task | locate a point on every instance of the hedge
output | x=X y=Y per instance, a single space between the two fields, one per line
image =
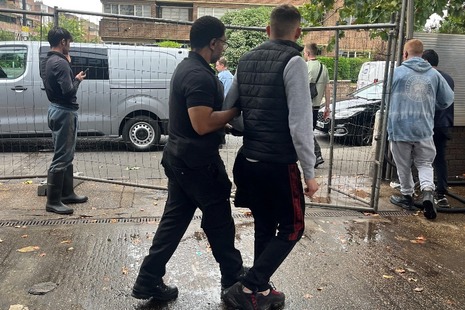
x=348 y=68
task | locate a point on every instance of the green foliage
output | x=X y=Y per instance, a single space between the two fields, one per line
x=11 y=61
x=73 y=25
x=453 y=25
x=6 y=35
x=241 y=41
x=315 y=12
x=348 y=68
x=169 y=44
x=454 y=22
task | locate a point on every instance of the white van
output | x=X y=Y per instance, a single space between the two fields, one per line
x=125 y=93
x=371 y=72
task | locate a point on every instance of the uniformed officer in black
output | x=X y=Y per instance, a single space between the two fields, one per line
x=196 y=174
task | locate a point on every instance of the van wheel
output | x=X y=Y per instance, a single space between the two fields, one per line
x=141 y=133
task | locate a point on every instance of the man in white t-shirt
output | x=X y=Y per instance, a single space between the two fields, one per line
x=322 y=86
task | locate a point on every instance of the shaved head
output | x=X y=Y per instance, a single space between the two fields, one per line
x=284 y=21
x=413 y=48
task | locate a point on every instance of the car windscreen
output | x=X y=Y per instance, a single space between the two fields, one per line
x=371 y=92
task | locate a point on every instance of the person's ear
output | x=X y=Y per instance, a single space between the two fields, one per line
x=212 y=44
x=298 y=32
x=268 y=30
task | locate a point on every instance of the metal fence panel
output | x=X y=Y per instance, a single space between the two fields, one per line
x=349 y=177
x=452 y=61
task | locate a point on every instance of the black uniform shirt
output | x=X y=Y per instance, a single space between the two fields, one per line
x=193 y=84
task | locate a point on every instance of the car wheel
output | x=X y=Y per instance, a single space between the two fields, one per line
x=365 y=136
x=141 y=133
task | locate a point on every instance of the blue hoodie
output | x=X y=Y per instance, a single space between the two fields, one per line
x=417 y=91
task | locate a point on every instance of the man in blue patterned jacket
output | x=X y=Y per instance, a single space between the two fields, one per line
x=417 y=91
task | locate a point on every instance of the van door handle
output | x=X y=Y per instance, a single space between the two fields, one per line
x=19 y=88
x=42 y=88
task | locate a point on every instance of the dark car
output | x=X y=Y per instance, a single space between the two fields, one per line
x=355 y=117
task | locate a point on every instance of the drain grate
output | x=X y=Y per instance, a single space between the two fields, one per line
x=52 y=222
x=13 y=223
x=331 y=213
x=395 y=213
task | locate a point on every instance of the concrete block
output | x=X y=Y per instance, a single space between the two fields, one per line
x=42 y=190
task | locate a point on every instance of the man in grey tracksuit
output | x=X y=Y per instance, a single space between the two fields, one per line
x=417 y=91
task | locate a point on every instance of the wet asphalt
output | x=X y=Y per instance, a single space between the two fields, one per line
x=346 y=259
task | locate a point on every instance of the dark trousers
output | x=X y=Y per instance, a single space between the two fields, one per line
x=63 y=122
x=275 y=197
x=207 y=188
x=440 y=137
x=315 y=118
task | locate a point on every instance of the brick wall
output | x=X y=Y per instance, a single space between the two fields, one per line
x=344 y=87
x=143 y=32
x=455 y=153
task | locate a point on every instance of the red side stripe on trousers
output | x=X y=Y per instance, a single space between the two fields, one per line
x=295 y=185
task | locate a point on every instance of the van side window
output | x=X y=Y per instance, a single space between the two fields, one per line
x=13 y=61
x=96 y=59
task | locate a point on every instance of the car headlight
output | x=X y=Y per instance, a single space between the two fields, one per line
x=348 y=113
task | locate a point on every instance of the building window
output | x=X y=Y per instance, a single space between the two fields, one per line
x=143 y=10
x=125 y=9
x=7 y=19
x=216 y=12
x=174 y=11
x=355 y=54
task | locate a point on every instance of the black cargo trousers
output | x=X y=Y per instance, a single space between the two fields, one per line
x=207 y=188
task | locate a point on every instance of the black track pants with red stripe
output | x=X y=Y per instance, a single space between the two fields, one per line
x=274 y=194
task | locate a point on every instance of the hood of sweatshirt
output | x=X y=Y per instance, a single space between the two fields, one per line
x=417 y=64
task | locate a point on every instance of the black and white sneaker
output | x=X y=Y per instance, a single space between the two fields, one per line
x=442 y=202
x=319 y=161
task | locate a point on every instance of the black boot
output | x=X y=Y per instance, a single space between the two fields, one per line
x=160 y=291
x=54 y=188
x=403 y=201
x=430 y=211
x=68 y=195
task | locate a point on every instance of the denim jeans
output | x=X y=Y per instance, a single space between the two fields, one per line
x=64 y=124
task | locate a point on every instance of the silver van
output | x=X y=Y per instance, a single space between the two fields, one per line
x=125 y=93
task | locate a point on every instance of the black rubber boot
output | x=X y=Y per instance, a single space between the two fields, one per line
x=68 y=195
x=54 y=189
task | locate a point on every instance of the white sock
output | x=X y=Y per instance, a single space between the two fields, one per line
x=246 y=290
x=265 y=293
